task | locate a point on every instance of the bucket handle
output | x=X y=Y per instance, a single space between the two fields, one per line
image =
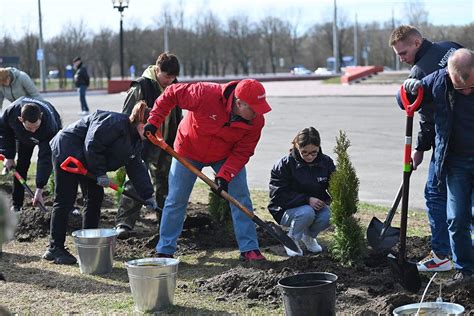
x=424 y=293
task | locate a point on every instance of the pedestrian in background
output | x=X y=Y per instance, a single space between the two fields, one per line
x=14 y=84
x=81 y=80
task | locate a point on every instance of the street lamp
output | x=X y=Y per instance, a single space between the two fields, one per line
x=120 y=5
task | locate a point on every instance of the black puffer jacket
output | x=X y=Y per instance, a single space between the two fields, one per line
x=429 y=58
x=12 y=130
x=293 y=181
x=81 y=76
x=104 y=141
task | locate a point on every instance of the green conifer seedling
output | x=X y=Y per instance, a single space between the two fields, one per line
x=347 y=245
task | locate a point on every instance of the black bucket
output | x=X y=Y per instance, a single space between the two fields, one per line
x=312 y=293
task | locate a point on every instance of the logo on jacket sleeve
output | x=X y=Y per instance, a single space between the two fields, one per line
x=213 y=116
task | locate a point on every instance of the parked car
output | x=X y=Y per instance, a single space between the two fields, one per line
x=300 y=70
x=53 y=74
x=322 y=71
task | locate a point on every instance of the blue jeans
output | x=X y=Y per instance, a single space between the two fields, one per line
x=436 y=207
x=82 y=97
x=305 y=220
x=180 y=184
x=460 y=184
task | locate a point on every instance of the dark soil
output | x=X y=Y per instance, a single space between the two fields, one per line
x=368 y=288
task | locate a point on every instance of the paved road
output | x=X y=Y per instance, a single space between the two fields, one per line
x=367 y=113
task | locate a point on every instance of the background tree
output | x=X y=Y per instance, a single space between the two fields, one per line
x=104 y=53
x=207 y=45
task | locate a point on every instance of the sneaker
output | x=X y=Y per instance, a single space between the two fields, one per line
x=432 y=263
x=252 y=255
x=123 y=232
x=59 y=255
x=311 y=244
x=164 y=255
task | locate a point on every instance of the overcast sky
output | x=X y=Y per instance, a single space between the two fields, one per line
x=17 y=16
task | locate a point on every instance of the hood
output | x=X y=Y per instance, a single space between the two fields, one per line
x=14 y=73
x=228 y=91
x=150 y=73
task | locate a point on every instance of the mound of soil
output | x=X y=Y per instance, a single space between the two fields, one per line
x=34 y=223
x=367 y=288
x=200 y=232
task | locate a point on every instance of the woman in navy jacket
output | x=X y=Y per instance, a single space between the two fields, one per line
x=103 y=141
x=298 y=190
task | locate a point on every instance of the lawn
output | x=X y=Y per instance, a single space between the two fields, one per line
x=37 y=287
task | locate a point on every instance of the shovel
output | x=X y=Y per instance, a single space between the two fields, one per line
x=381 y=236
x=405 y=271
x=73 y=165
x=273 y=230
x=25 y=186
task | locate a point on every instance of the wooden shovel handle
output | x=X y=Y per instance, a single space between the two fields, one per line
x=157 y=140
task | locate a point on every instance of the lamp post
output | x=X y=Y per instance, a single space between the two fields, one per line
x=40 y=53
x=120 y=5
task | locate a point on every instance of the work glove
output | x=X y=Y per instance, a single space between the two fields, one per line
x=151 y=204
x=103 y=181
x=149 y=128
x=9 y=164
x=222 y=185
x=38 y=198
x=412 y=85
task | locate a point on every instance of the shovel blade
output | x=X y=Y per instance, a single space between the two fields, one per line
x=406 y=273
x=379 y=239
x=276 y=232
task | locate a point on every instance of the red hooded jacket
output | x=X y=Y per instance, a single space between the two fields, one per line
x=207 y=134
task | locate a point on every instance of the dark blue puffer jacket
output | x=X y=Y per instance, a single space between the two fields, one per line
x=440 y=94
x=104 y=141
x=12 y=130
x=293 y=181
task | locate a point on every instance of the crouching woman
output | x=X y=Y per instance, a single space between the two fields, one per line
x=298 y=191
x=102 y=141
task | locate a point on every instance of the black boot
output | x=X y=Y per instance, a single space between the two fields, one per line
x=59 y=255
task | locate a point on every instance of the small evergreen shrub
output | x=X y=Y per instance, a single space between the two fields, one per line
x=348 y=243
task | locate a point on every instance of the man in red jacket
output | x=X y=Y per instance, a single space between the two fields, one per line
x=220 y=130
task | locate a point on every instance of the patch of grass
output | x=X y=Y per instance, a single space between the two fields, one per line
x=333 y=80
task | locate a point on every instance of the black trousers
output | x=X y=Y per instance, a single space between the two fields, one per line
x=22 y=165
x=65 y=193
